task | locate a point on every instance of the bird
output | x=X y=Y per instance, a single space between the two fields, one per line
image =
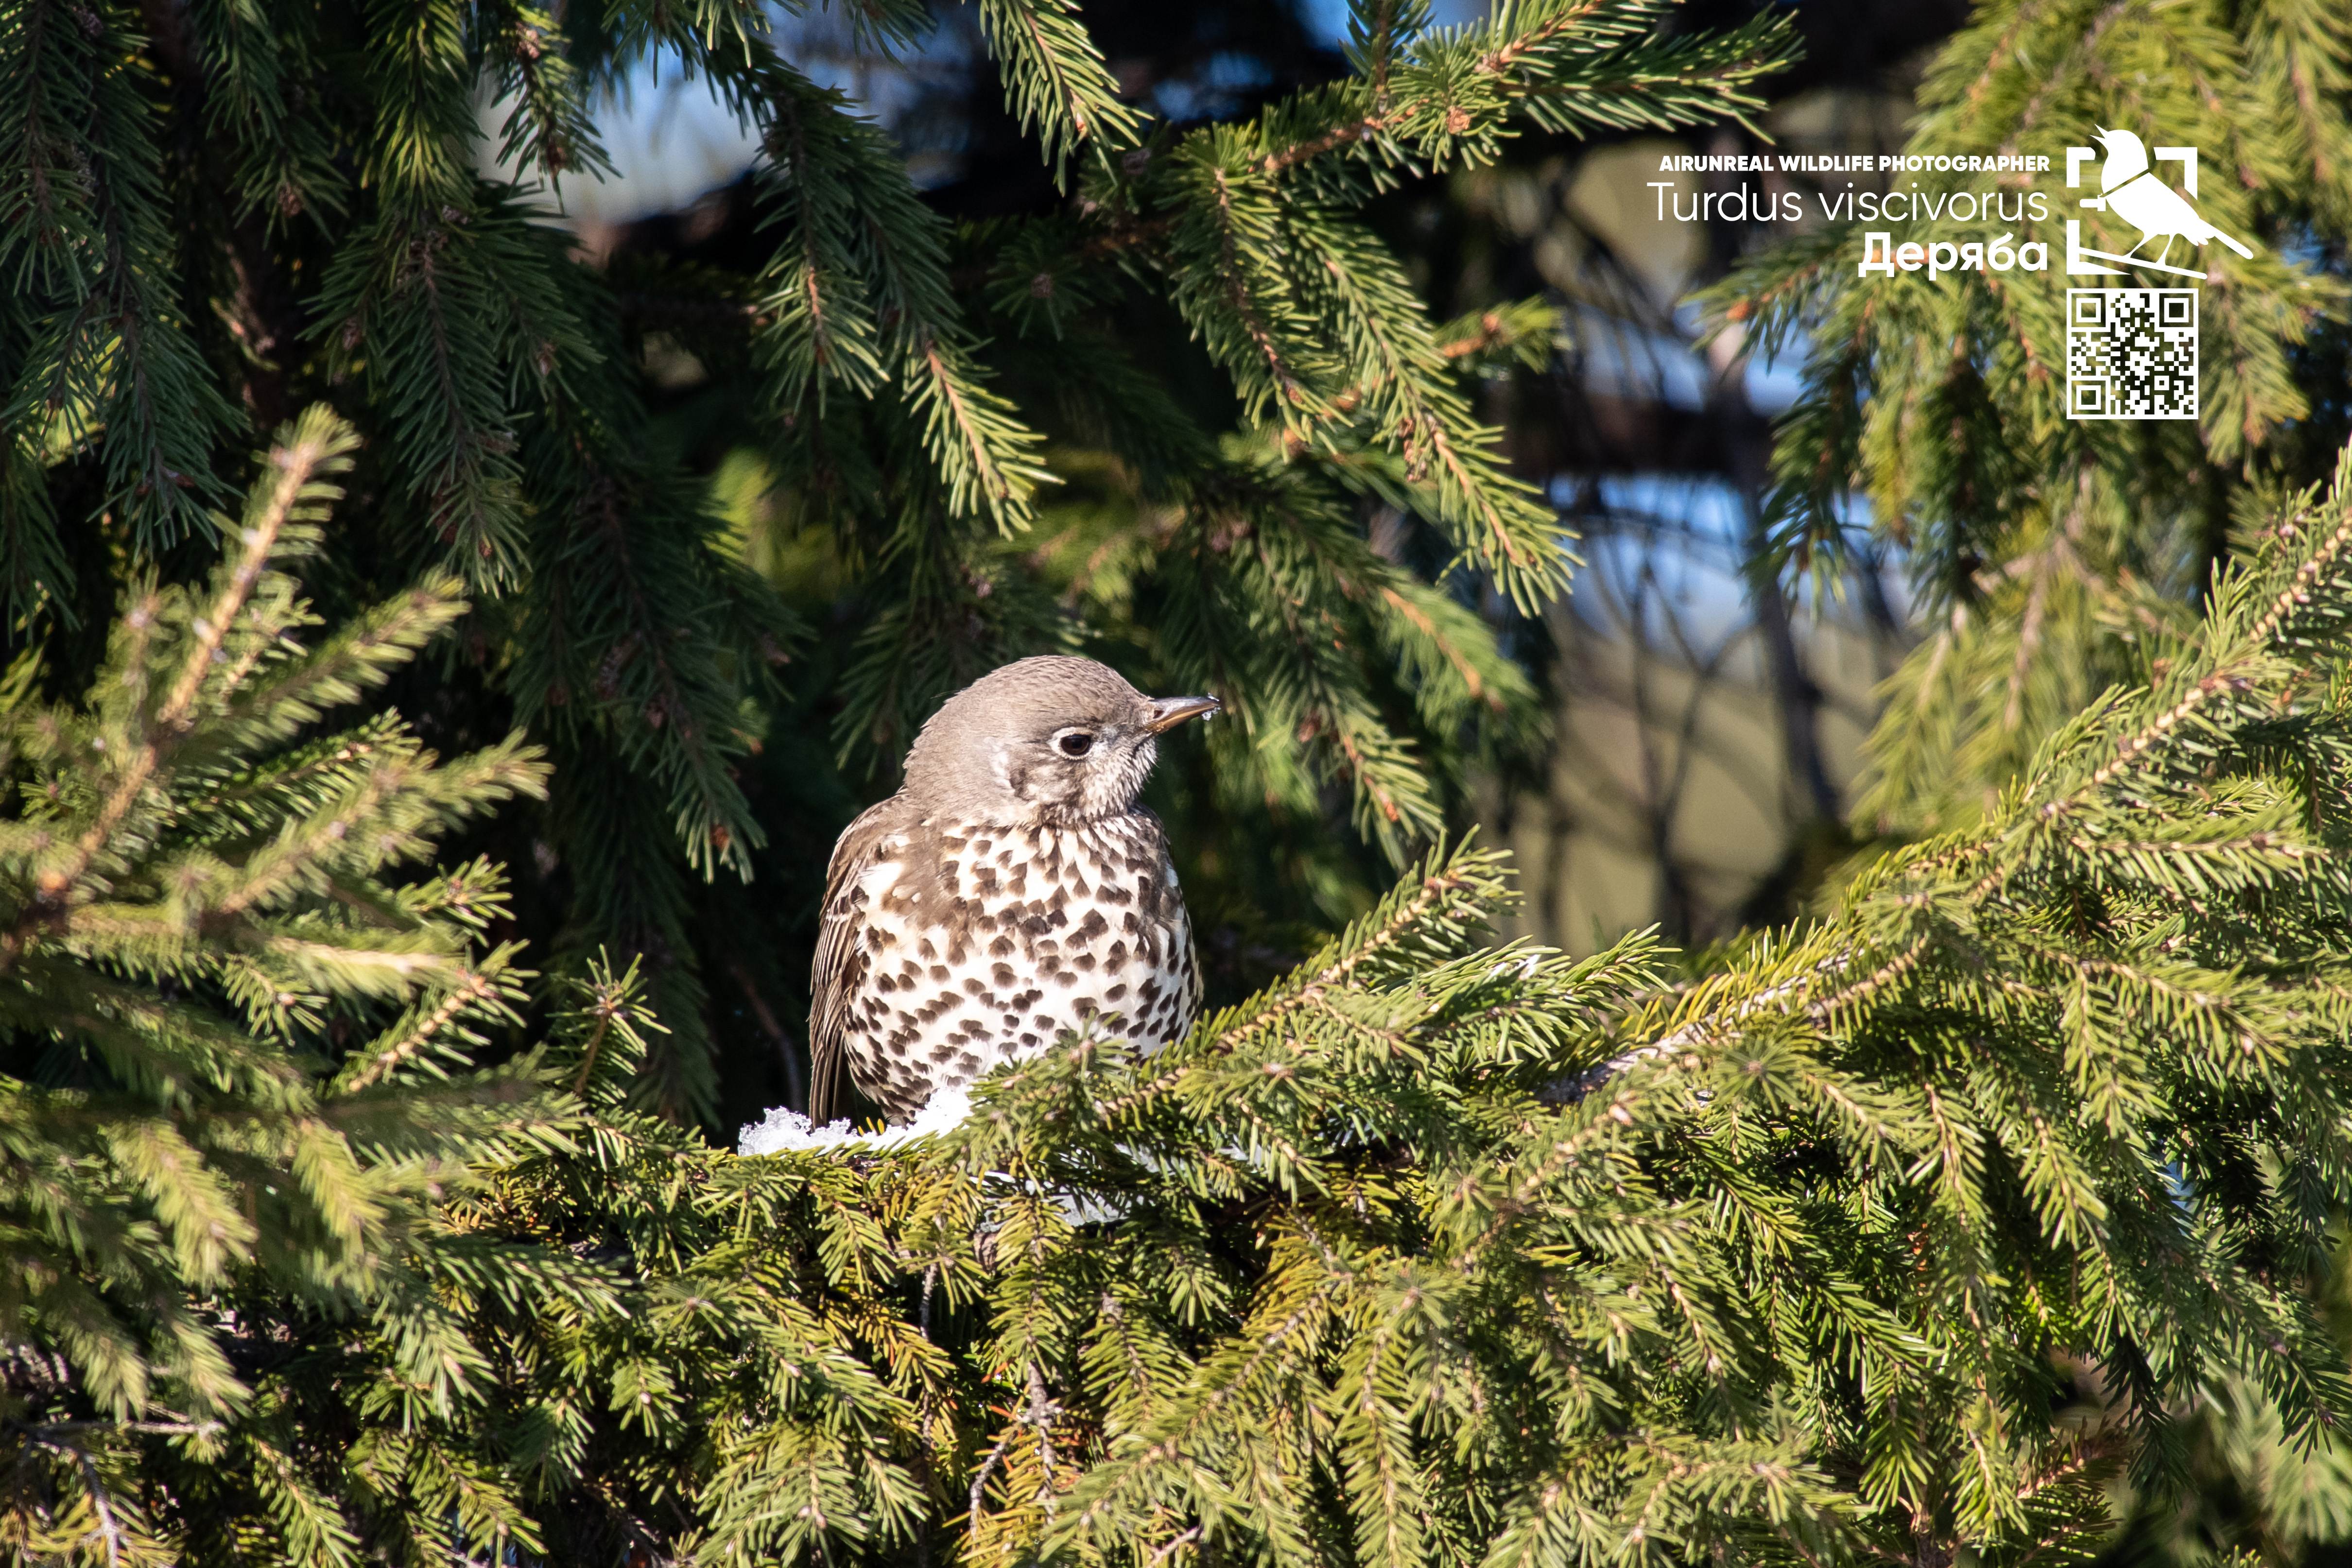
x=2129 y=189
x=1011 y=890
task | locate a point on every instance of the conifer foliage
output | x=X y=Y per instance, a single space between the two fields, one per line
x=257 y=1031
x=1901 y=1234
x=334 y=1235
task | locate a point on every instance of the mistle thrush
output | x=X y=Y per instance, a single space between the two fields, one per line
x=1011 y=890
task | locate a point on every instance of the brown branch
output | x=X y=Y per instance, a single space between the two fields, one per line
x=993 y=484
x=474 y=988
x=1453 y=656
x=795 y=1089
x=1238 y=293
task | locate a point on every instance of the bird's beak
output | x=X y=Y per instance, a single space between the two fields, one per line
x=1167 y=712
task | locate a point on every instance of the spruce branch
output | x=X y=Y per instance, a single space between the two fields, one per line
x=1055 y=81
x=178 y=937
x=1564 y=61
x=314 y=446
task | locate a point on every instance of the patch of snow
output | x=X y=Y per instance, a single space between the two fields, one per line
x=1527 y=962
x=785 y=1131
x=1086 y=1210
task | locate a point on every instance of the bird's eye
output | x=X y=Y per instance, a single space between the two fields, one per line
x=1075 y=742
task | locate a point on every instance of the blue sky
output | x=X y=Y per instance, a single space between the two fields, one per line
x=671 y=141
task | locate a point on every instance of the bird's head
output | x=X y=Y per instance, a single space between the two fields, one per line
x=2121 y=144
x=1047 y=741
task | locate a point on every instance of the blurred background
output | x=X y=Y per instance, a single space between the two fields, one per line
x=1705 y=722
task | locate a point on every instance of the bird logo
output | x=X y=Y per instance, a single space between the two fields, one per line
x=2130 y=188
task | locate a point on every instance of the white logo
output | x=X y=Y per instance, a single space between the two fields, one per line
x=2131 y=353
x=2130 y=188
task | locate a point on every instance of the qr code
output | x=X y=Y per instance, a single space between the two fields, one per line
x=2131 y=353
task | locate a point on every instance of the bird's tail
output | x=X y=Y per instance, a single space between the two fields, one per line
x=2233 y=245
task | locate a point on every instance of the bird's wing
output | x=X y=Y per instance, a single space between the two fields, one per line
x=2142 y=206
x=840 y=960
x=2169 y=211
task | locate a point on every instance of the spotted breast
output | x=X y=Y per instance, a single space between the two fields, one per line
x=981 y=943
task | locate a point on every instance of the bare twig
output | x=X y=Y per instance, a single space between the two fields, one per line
x=987 y=1469
x=1039 y=1418
x=106 y=1524
x=1175 y=1544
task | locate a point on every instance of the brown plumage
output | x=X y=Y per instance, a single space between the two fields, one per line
x=1009 y=891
